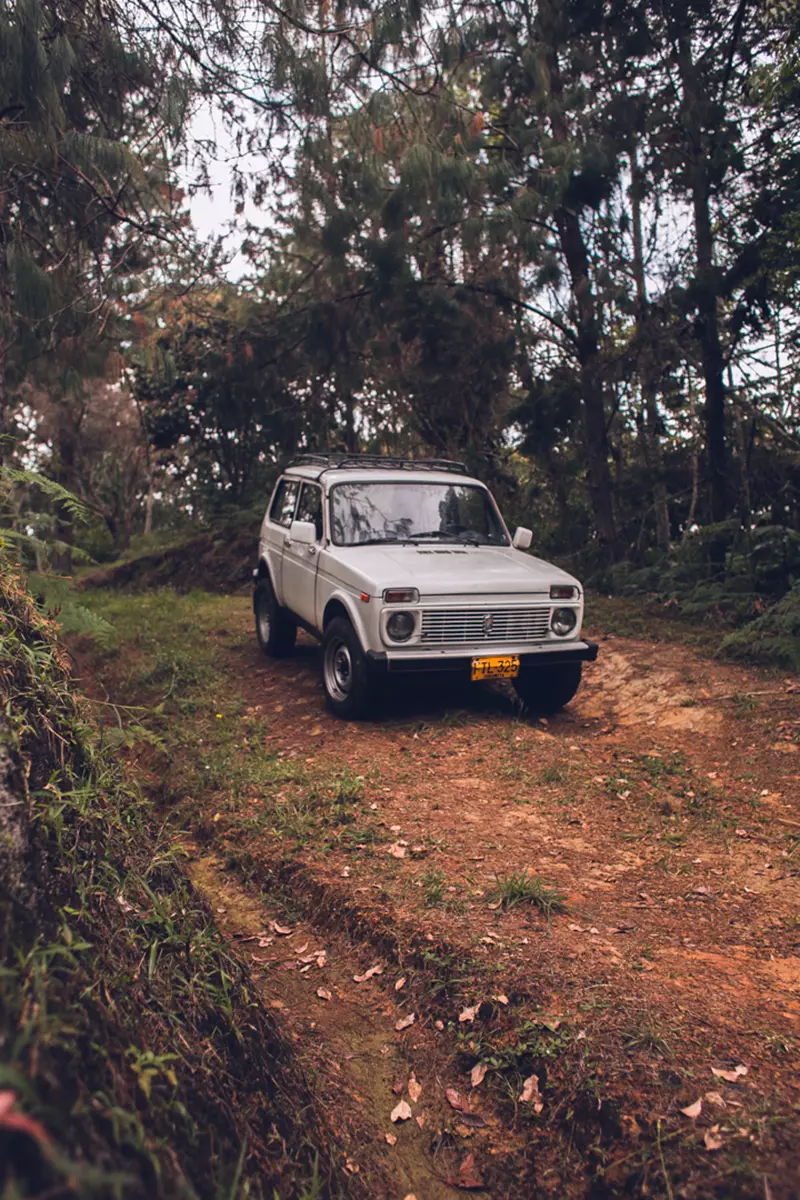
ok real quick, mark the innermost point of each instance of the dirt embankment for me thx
(133, 1061)
(215, 561)
(592, 920)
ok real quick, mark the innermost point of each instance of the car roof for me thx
(334, 475)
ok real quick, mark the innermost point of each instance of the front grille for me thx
(462, 625)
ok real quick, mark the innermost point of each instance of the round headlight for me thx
(563, 621)
(400, 626)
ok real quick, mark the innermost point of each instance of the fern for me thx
(54, 491)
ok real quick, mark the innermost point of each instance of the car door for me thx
(275, 529)
(300, 561)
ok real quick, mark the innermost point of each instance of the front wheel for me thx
(275, 631)
(548, 689)
(345, 675)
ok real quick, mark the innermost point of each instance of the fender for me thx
(357, 612)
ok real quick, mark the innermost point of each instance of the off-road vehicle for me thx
(400, 565)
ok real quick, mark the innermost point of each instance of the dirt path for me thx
(659, 814)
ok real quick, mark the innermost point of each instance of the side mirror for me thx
(522, 538)
(303, 532)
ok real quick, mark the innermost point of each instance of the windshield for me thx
(387, 511)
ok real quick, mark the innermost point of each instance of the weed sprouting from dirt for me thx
(433, 884)
(520, 887)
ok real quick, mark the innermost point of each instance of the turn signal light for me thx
(562, 591)
(401, 596)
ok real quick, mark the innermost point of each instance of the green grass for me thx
(520, 887)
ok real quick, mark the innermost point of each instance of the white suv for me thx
(402, 565)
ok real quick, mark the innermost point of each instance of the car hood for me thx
(451, 570)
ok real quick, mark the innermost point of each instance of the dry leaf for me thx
(712, 1140)
(454, 1099)
(500, 998)
(530, 1093)
(468, 1178)
(420, 1120)
(729, 1076)
(376, 970)
(414, 1089)
(401, 1112)
(391, 1139)
(693, 1110)
(400, 983)
(404, 1022)
(324, 994)
(283, 930)
(399, 1085)
(397, 851)
(478, 1074)
(715, 1098)
(468, 1014)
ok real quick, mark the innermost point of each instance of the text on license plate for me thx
(501, 667)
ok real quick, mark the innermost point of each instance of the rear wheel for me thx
(345, 675)
(548, 689)
(275, 630)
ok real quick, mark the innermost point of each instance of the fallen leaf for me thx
(472, 1120)
(530, 1093)
(401, 1112)
(501, 999)
(283, 930)
(400, 983)
(729, 1076)
(420, 1120)
(468, 1178)
(376, 970)
(301, 950)
(693, 1110)
(404, 1022)
(399, 1085)
(391, 1139)
(324, 994)
(467, 1014)
(478, 1074)
(454, 1099)
(712, 1140)
(439, 1025)
(414, 1089)
(715, 1098)
(397, 851)
(17, 1122)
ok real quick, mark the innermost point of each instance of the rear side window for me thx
(282, 508)
(310, 507)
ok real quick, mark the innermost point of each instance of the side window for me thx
(282, 508)
(310, 507)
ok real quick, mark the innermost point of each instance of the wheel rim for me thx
(263, 619)
(338, 670)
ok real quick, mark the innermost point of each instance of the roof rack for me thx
(334, 462)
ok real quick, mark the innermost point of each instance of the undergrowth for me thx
(134, 1059)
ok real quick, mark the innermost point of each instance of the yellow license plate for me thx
(502, 667)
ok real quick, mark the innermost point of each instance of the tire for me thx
(345, 674)
(548, 689)
(275, 630)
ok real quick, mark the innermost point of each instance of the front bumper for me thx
(547, 655)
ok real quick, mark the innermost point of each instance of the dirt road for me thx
(593, 921)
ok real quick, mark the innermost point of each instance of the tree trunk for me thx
(651, 442)
(590, 362)
(707, 320)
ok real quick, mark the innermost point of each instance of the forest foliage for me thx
(556, 238)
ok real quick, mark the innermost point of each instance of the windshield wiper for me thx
(383, 541)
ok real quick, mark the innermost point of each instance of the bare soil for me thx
(663, 806)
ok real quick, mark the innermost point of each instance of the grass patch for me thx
(520, 887)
